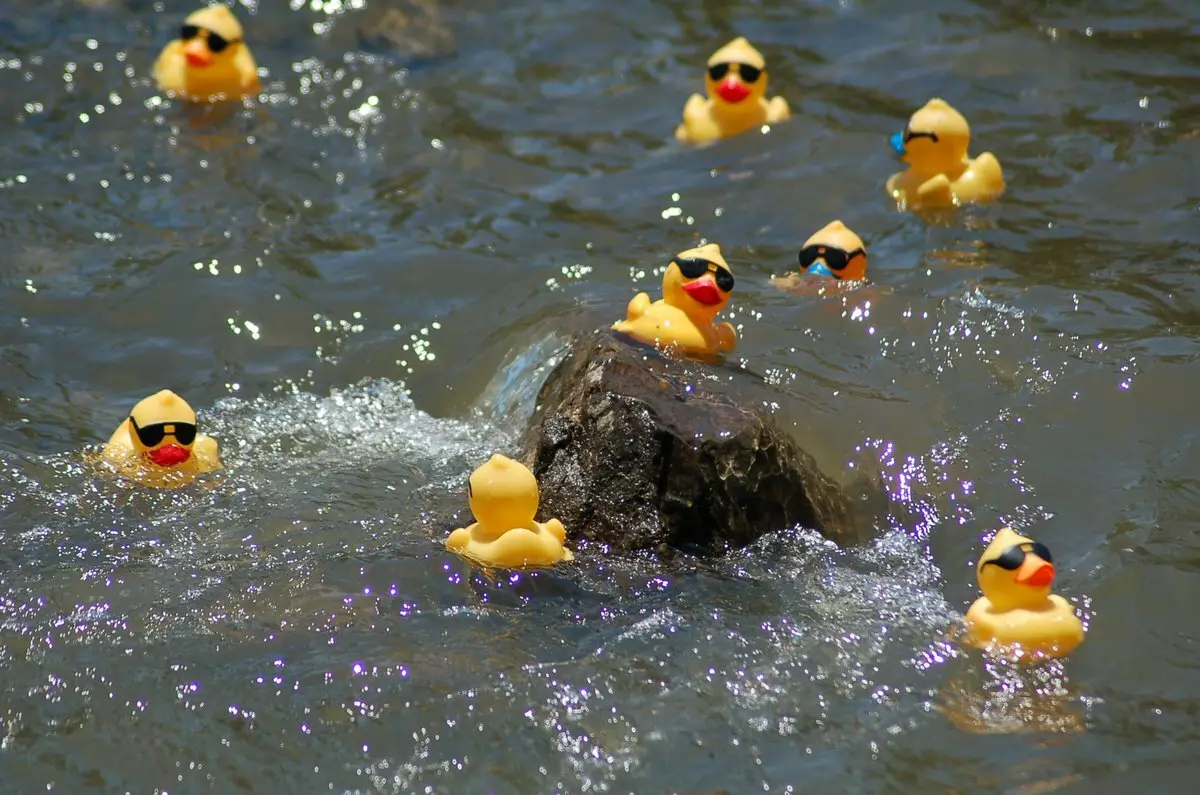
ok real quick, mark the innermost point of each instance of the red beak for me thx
(197, 53)
(1037, 575)
(704, 290)
(169, 455)
(732, 90)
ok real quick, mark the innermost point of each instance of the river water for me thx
(358, 280)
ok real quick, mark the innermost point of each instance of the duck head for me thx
(835, 251)
(1015, 571)
(737, 75)
(210, 37)
(163, 429)
(503, 493)
(699, 282)
(936, 139)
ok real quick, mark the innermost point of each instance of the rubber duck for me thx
(940, 174)
(158, 445)
(695, 288)
(1017, 610)
(503, 494)
(736, 83)
(209, 60)
(833, 252)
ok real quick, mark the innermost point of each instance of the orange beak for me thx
(1035, 572)
(197, 53)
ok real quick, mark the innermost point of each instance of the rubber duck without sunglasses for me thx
(696, 286)
(940, 173)
(1017, 613)
(209, 60)
(736, 84)
(503, 495)
(158, 444)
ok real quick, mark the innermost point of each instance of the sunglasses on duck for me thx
(216, 42)
(749, 74)
(1012, 558)
(909, 135)
(835, 259)
(184, 432)
(695, 267)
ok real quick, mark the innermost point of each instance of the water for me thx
(358, 282)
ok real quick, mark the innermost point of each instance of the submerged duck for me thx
(504, 498)
(158, 445)
(833, 252)
(736, 83)
(696, 287)
(940, 174)
(1017, 608)
(209, 60)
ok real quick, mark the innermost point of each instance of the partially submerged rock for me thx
(634, 451)
(409, 29)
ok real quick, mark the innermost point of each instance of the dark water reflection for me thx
(356, 281)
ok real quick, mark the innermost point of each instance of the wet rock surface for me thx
(635, 451)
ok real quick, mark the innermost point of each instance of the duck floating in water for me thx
(1017, 612)
(940, 174)
(158, 445)
(736, 83)
(696, 286)
(833, 252)
(209, 60)
(504, 499)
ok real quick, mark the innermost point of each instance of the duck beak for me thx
(169, 455)
(1035, 573)
(197, 53)
(819, 268)
(897, 142)
(732, 90)
(704, 291)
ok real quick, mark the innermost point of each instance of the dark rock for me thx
(411, 29)
(635, 451)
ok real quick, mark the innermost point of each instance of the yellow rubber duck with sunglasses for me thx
(939, 173)
(158, 444)
(696, 286)
(736, 84)
(209, 60)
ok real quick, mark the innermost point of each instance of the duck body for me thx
(171, 461)
(504, 498)
(940, 173)
(190, 68)
(1017, 614)
(736, 84)
(684, 317)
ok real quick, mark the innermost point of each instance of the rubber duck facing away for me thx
(940, 173)
(833, 252)
(210, 60)
(158, 443)
(1017, 612)
(736, 84)
(696, 286)
(504, 499)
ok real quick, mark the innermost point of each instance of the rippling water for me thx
(357, 280)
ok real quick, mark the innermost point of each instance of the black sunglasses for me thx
(184, 433)
(1012, 558)
(835, 258)
(695, 267)
(909, 135)
(748, 73)
(216, 42)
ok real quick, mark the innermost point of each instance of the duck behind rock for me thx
(940, 173)
(833, 252)
(736, 84)
(209, 60)
(696, 286)
(504, 499)
(158, 445)
(1017, 612)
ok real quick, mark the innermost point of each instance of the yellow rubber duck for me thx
(1017, 610)
(940, 174)
(736, 84)
(504, 498)
(209, 60)
(157, 444)
(696, 287)
(833, 252)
